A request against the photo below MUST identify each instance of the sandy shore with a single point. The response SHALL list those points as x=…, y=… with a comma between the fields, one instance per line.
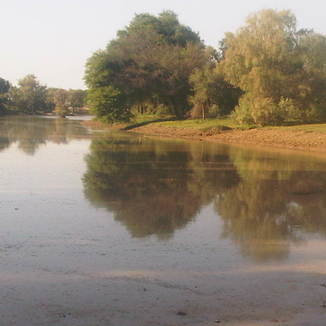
x=264, y=137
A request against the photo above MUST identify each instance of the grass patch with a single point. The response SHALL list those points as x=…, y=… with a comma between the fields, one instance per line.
x=149, y=117
x=204, y=125
x=208, y=125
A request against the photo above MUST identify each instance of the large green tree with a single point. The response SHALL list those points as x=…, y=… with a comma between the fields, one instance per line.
x=64, y=102
x=59, y=101
x=150, y=60
x=280, y=69
x=212, y=94
x=77, y=98
x=30, y=96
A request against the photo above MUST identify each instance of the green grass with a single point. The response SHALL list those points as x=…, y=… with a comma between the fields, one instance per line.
x=200, y=124
x=148, y=117
x=214, y=124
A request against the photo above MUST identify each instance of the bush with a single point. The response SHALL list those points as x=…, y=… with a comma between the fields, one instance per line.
x=264, y=111
x=258, y=110
x=242, y=112
x=108, y=104
x=291, y=111
x=295, y=113
x=315, y=114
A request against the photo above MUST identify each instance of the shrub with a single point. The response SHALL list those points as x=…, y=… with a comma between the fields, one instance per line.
x=258, y=110
x=264, y=111
x=291, y=111
x=242, y=112
x=108, y=104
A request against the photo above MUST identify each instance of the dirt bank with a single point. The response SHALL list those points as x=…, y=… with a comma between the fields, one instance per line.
x=286, y=138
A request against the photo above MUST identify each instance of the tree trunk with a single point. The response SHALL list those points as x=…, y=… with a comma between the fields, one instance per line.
x=203, y=112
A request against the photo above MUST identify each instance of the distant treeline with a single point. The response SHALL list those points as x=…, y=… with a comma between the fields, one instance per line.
x=267, y=72
x=31, y=97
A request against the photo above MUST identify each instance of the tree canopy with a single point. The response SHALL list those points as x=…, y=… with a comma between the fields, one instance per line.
x=30, y=96
x=269, y=70
x=149, y=61
x=281, y=69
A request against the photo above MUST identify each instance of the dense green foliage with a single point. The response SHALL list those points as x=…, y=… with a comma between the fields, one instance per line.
x=64, y=101
x=30, y=97
x=4, y=96
x=149, y=62
x=212, y=94
x=281, y=70
x=269, y=70
x=266, y=73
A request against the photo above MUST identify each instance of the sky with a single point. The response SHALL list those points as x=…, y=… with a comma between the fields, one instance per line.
x=52, y=39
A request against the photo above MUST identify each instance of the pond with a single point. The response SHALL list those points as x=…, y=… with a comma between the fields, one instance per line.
x=107, y=228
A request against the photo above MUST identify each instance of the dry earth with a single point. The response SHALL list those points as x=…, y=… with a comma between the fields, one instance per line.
x=265, y=137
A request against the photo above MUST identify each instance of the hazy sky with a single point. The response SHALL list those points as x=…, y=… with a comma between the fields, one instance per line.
x=53, y=38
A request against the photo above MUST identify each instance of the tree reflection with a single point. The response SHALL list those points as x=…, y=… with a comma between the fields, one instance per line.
x=267, y=203
x=274, y=205
x=31, y=132
x=153, y=187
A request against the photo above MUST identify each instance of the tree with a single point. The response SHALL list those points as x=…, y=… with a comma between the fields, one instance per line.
x=312, y=87
x=268, y=59
x=109, y=104
x=64, y=101
x=151, y=60
x=61, y=102
x=4, y=94
x=212, y=93
x=30, y=96
x=76, y=98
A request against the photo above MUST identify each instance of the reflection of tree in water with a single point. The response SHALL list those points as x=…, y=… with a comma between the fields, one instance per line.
x=267, y=202
x=153, y=187
x=276, y=202
x=31, y=132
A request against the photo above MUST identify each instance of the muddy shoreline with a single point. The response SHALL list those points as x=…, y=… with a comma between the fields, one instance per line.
x=271, y=138
x=267, y=138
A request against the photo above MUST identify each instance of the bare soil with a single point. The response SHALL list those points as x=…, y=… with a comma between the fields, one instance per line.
x=264, y=137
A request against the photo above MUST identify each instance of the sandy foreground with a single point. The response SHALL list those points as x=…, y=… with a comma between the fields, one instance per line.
x=255, y=298
x=273, y=137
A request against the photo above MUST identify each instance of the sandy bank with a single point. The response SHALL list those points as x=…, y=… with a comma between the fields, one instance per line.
x=286, y=138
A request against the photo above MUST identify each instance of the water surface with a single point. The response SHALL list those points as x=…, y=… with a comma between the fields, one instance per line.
x=120, y=229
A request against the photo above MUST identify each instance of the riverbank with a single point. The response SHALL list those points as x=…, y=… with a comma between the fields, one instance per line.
x=309, y=137
x=281, y=137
